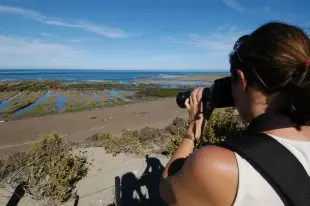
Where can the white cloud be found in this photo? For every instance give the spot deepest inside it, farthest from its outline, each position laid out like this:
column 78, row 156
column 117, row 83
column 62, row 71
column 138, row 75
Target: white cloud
column 234, row 4
column 23, row 52
column 23, row 45
column 219, row 42
column 87, row 26
column 214, row 48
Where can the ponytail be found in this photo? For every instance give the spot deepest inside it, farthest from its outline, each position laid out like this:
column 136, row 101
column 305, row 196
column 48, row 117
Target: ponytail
column 298, row 91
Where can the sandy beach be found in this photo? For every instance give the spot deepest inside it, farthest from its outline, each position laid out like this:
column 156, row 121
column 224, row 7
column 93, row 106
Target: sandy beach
column 16, row 135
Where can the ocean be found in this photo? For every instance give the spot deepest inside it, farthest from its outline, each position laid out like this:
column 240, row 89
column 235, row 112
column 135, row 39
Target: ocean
column 66, row 75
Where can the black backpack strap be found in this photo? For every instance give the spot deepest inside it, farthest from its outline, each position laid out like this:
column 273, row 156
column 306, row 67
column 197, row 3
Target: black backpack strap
column 276, row 164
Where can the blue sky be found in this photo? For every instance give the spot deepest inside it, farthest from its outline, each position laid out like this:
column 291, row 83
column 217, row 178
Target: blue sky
column 133, row 34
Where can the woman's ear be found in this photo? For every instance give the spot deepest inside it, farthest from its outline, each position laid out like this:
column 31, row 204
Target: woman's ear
column 242, row 80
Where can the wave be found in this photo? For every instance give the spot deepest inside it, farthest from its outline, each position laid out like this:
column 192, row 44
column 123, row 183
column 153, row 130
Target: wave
column 93, row 80
column 169, row 76
column 6, row 80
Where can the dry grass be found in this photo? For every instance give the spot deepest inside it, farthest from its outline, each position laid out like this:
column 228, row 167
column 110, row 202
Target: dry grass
column 49, row 169
column 177, row 131
column 129, row 141
column 116, row 144
column 221, row 125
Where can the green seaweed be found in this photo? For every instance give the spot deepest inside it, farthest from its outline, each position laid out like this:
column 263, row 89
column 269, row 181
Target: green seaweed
column 80, row 106
column 21, row 102
column 48, row 107
column 118, row 102
column 7, row 95
column 80, row 95
column 158, row 92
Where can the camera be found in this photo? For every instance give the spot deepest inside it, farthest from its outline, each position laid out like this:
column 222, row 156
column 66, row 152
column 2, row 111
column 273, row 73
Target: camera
column 217, row 96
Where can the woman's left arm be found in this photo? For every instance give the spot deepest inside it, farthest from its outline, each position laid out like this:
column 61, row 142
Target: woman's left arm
column 194, row 107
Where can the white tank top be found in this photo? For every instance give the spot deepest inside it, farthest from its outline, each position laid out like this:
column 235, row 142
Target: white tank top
column 253, row 189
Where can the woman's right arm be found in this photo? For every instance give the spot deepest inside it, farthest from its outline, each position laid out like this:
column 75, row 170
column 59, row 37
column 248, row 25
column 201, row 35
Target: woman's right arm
column 208, row 177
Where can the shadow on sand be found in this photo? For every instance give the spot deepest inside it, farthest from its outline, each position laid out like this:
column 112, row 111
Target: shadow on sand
column 17, row 195
column 131, row 192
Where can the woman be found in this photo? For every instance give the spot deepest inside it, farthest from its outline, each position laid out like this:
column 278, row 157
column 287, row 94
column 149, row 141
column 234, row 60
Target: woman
column 270, row 72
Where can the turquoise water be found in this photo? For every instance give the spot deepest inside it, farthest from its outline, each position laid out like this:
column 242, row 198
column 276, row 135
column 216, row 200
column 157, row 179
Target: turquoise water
column 60, row 104
column 6, row 104
column 61, row 100
column 117, row 94
column 96, row 97
column 36, row 103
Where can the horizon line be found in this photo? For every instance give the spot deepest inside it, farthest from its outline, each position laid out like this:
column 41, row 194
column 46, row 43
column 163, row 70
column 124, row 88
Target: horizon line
column 118, row 69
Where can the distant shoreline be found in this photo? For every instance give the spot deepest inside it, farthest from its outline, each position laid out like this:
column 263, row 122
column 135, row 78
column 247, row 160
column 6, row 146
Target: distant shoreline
column 120, row 76
column 207, row 78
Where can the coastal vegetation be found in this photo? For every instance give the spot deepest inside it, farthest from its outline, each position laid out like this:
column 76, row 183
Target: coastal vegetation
column 158, row 92
column 223, row 123
column 49, row 170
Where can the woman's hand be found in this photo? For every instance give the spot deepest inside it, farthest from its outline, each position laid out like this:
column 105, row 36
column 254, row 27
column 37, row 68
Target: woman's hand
column 195, row 111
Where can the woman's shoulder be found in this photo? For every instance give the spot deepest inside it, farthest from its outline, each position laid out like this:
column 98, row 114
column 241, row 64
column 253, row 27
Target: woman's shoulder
column 217, row 170
column 216, row 161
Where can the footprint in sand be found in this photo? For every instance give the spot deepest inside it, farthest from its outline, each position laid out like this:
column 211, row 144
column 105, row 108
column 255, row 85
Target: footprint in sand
column 140, row 113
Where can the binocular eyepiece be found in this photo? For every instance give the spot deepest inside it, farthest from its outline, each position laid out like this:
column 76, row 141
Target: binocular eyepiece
column 217, row 96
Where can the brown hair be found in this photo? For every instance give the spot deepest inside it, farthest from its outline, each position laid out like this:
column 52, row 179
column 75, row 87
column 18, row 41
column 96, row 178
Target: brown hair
column 275, row 58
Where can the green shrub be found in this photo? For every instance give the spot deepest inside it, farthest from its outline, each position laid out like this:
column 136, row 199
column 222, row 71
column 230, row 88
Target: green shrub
column 171, row 145
column 128, row 141
column 123, row 143
column 49, row 169
column 178, row 127
column 150, row 134
column 222, row 124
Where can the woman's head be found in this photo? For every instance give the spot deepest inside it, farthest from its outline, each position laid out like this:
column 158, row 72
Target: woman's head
column 270, row 70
